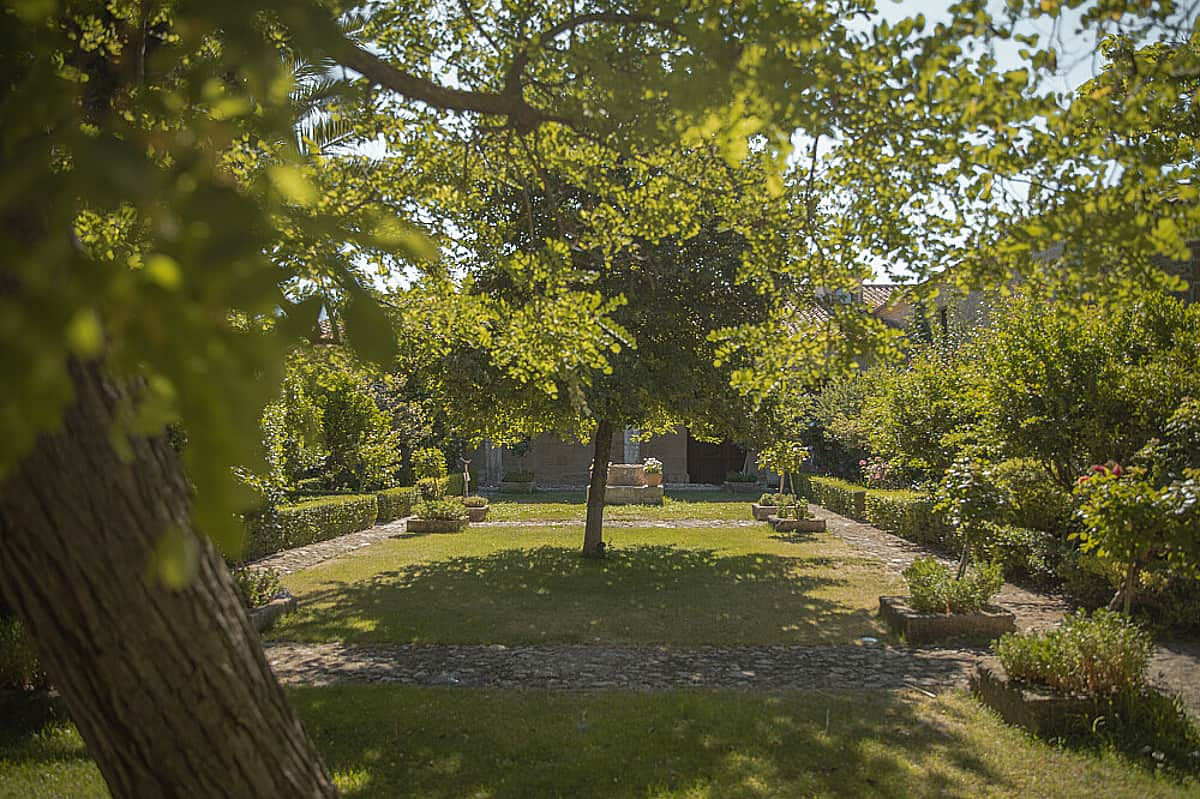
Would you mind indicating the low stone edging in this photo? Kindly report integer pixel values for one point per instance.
(1038, 710)
(796, 525)
(923, 628)
(264, 617)
(436, 525)
(742, 488)
(762, 512)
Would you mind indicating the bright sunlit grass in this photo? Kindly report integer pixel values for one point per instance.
(527, 584)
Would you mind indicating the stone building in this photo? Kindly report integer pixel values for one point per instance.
(555, 462)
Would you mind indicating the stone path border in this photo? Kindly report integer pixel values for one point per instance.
(765, 668)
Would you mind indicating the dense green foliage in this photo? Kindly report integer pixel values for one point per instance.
(327, 426)
(19, 666)
(449, 509)
(256, 587)
(934, 589)
(1102, 654)
(395, 503)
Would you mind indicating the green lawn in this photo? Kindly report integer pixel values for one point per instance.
(569, 505)
(388, 741)
(527, 584)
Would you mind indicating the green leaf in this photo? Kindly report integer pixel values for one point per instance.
(369, 330)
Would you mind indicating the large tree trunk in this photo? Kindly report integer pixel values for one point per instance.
(593, 533)
(169, 688)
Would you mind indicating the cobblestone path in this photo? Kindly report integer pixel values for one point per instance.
(765, 668)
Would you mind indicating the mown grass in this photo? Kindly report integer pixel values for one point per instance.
(389, 741)
(569, 506)
(527, 584)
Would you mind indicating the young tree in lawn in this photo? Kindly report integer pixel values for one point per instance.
(148, 165)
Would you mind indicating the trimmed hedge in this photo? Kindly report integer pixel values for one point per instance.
(909, 515)
(396, 503)
(838, 496)
(308, 522)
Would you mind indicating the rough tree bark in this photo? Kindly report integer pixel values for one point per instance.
(593, 533)
(169, 688)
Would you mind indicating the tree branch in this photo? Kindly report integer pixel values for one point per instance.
(521, 115)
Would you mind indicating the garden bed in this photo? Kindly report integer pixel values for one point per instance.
(513, 487)
(923, 628)
(796, 525)
(1041, 711)
(436, 525)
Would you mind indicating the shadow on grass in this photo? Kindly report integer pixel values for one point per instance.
(442, 743)
(1151, 729)
(639, 594)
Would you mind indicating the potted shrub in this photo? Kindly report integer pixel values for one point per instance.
(517, 482)
(653, 469)
(1041, 680)
(439, 516)
(477, 508)
(792, 516)
(741, 482)
(941, 605)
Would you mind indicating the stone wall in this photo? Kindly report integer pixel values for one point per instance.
(557, 462)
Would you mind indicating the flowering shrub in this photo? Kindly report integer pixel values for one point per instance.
(934, 590)
(875, 472)
(1103, 654)
(475, 502)
(652, 466)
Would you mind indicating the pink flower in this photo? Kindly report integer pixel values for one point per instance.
(862, 463)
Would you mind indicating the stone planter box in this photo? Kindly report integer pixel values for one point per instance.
(761, 512)
(436, 525)
(632, 495)
(477, 514)
(796, 525)
(507, 487)
(1039, 710)
(743, 488)
(626, 474)
(264, 616)
(923, 628)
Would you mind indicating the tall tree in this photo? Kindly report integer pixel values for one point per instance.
(149, 166)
